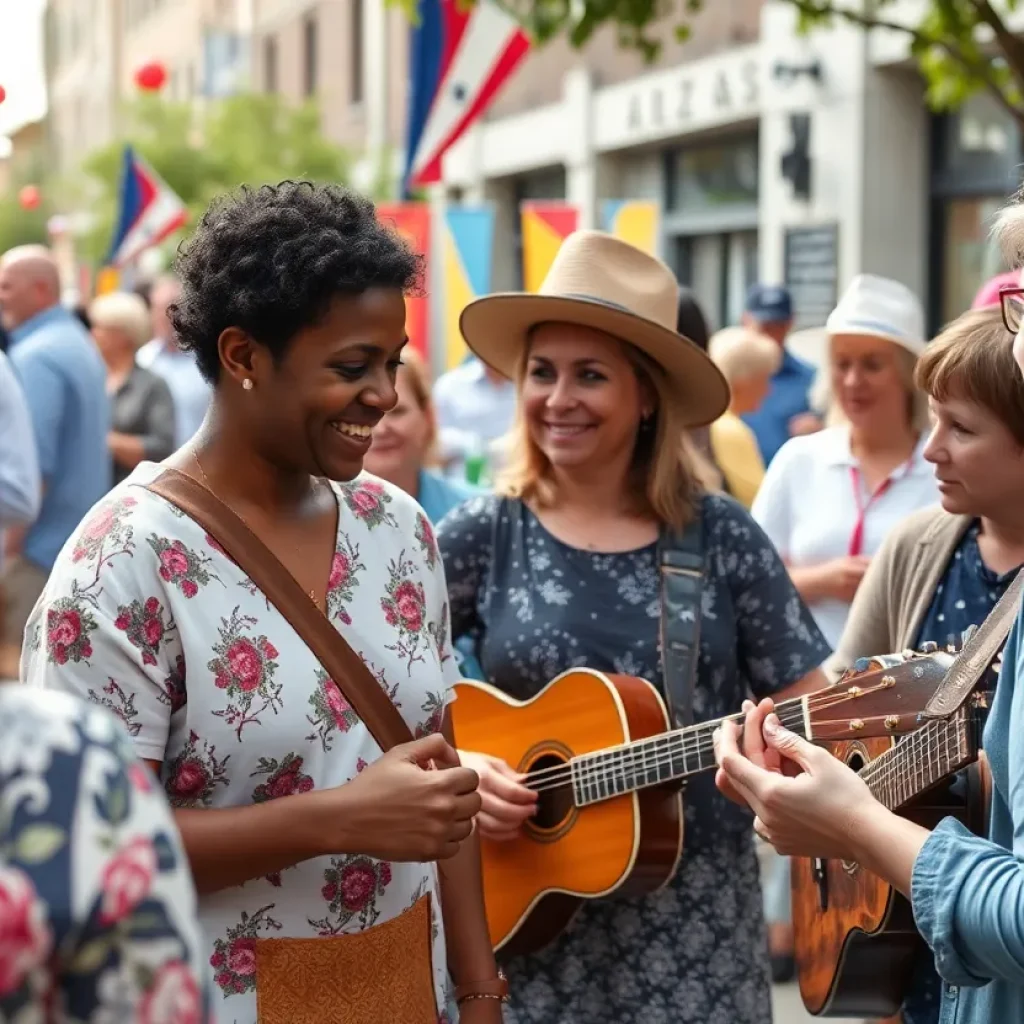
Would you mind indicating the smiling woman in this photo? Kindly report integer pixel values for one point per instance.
(297, 825)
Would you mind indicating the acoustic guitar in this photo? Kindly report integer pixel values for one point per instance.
(598, 750)
(854, 934)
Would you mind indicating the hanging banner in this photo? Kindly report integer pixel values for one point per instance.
(412, 222)
(545, 226)
(636, 221)
(468, 252)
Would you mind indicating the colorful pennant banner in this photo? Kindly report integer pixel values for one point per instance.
(545, 226)
(636, 221)
(412, 222)
(468, 258)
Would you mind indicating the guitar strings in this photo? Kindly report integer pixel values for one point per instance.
(815, 702)
(650, 753)
(669, 747)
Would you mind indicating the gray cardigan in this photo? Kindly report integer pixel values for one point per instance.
(898, 587)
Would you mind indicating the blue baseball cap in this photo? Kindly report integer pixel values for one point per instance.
(769, 303)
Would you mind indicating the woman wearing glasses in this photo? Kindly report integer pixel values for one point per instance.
(967, 891)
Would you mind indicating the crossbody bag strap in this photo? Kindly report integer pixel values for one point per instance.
(681, 565)
(348, 671)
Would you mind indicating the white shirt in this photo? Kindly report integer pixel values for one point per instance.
(472, 410)
(190, 392)
(808, 507)
(145, 614)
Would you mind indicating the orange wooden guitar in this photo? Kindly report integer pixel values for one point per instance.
(596, 749)
(854, 934)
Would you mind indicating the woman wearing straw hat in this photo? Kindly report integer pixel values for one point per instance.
(559, 568)
(828, 499)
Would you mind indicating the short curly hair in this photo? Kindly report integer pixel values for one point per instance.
(269, 260)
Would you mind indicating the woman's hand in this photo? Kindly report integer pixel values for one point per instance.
(480, 1011)
(825, 810)
(416, 803)
(842, 576)
(505, 802)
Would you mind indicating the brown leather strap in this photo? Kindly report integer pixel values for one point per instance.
(976, 655)
(357, 684)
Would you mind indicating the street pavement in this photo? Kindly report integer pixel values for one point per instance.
(788, 1009)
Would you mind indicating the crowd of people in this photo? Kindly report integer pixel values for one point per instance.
(504, 523)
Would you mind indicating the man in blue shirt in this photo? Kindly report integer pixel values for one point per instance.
(64, 381)
(786, 410)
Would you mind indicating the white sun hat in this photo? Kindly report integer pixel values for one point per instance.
(879, 307)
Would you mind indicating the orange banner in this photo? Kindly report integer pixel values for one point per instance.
(412, 222)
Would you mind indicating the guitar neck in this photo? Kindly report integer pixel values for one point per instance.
(922, 759)
(668, 757)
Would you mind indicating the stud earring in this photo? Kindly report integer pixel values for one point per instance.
(247, 384)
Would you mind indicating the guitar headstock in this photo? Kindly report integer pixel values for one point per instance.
(879, 696)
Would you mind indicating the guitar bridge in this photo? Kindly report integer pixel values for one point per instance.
(819, 872)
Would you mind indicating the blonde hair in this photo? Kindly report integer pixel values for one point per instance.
(917, 401)
(124, 312)
(666, 477)
(742, 353)
(972, 359)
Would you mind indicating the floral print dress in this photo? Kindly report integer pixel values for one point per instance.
(695, 952)
(146, 615)
(97, 907)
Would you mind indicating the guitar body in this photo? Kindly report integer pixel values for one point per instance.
(534, 885)
(854, 934)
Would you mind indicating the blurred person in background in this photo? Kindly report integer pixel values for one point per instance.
(475, 405)
(989, 294)
(829, 499)
(692, 324)
(403, 452)
(786, 410)
(403, 444)
(142, 410)
(748, 361)
(164, 357)
(64, 382)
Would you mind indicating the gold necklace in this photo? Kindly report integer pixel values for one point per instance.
(207, 485)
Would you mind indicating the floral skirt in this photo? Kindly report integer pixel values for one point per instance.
(693, 953)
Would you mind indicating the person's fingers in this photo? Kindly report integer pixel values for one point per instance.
(508, 789)
(431, 748)
(508, 815)
(747, 778)
(754, 745)
(491, 828)
(506, 769)
(792, 747)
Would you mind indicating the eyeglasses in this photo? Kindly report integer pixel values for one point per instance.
(1012, 301)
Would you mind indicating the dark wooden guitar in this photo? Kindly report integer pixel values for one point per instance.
(598, 751)
(854, 935)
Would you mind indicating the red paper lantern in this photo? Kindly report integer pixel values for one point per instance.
(151, 77)
(3, 94)
(29, 197)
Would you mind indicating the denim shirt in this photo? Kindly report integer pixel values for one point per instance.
(788, 397)
(968, 892)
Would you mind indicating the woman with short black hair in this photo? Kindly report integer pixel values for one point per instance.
(295, 823)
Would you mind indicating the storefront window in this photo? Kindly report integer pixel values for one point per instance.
(709, 177)
(968, 253)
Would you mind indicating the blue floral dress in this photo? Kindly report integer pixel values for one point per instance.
(534, 607)
(97, 908)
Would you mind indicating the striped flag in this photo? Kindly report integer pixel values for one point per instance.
(461, 56)
(148, 211)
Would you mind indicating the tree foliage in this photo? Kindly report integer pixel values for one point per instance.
(962, 47)
(250, 139)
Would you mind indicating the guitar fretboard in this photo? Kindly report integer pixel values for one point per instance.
(922, 760)
(659, 759)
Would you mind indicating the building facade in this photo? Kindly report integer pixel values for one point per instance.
(773, 156)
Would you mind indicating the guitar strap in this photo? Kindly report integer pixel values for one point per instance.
(976, 655)
(681, 565)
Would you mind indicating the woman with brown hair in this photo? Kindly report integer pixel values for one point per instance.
(561, 569)
(943, 569)
(402, 450)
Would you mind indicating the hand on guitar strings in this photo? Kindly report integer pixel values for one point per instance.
(807, 802)
(505, 802)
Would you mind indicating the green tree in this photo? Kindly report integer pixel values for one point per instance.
(19, 226)
(249, 139)
(962, 47)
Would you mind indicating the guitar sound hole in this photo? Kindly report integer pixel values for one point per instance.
(856, 761)
(554, 805)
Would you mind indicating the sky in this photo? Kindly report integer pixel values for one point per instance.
(21, 63)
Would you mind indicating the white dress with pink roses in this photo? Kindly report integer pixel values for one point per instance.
(144, 614)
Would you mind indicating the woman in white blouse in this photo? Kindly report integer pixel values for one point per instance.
(828, 499)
